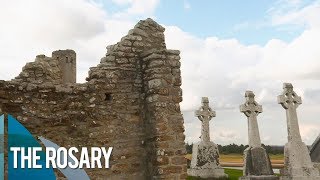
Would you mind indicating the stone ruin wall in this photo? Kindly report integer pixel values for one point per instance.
(129, 102)
(58, 69)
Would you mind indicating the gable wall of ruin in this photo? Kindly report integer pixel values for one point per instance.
(129, 102)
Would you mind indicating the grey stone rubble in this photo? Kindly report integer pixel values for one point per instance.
(58, 69)
(297, 164)
(257, 164)
(315, 152)
(205, 154)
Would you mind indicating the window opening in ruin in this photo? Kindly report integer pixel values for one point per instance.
(108, 97)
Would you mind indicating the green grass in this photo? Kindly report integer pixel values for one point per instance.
(233, 174)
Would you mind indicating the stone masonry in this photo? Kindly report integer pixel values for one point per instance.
(67, 63)
(58, 69)
(297, 162)
(129, 102)
(205, 154)
(257, 163)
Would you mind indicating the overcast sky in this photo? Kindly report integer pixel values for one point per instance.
(227, 47)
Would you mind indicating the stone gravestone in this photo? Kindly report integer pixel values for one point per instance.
(297, 164)
(315, 152)
(205, 154)
(256, 160)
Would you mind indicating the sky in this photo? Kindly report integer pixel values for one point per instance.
(227, 47)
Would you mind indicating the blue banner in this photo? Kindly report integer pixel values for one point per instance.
(1, 147)
(19, 136)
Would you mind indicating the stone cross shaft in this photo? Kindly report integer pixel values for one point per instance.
(251, 109)
(205, 114)
(290, 102)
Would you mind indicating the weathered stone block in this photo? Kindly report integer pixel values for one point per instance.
(155, 83)
(298, 164)
(261, 177)
(178, 160)
(314, 150)
(205, 161)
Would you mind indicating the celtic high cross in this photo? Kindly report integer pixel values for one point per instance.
(205, 114)
(290, 102)
(251, 109)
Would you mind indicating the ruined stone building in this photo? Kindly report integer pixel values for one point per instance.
(129, 102)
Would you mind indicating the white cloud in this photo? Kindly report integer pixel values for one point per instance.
(309, 132)
(54, 21)
(122, 2)
(289, 16)
(141, 8)
(40, 27)
(293, 14)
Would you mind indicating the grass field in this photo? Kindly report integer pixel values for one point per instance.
(275, 158)
(236, 160)
(233, 174)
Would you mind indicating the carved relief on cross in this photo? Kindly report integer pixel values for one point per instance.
(289, 99)
(251, 109)
(205, 114)
(290, 102)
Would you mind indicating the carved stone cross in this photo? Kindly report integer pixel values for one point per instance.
(290, 101)
(205, 114)
(251, 109)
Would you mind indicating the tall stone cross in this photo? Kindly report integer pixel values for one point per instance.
(205, 114)
(251, 109)
(290, 102)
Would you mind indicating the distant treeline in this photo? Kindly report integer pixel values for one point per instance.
(238, 149)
